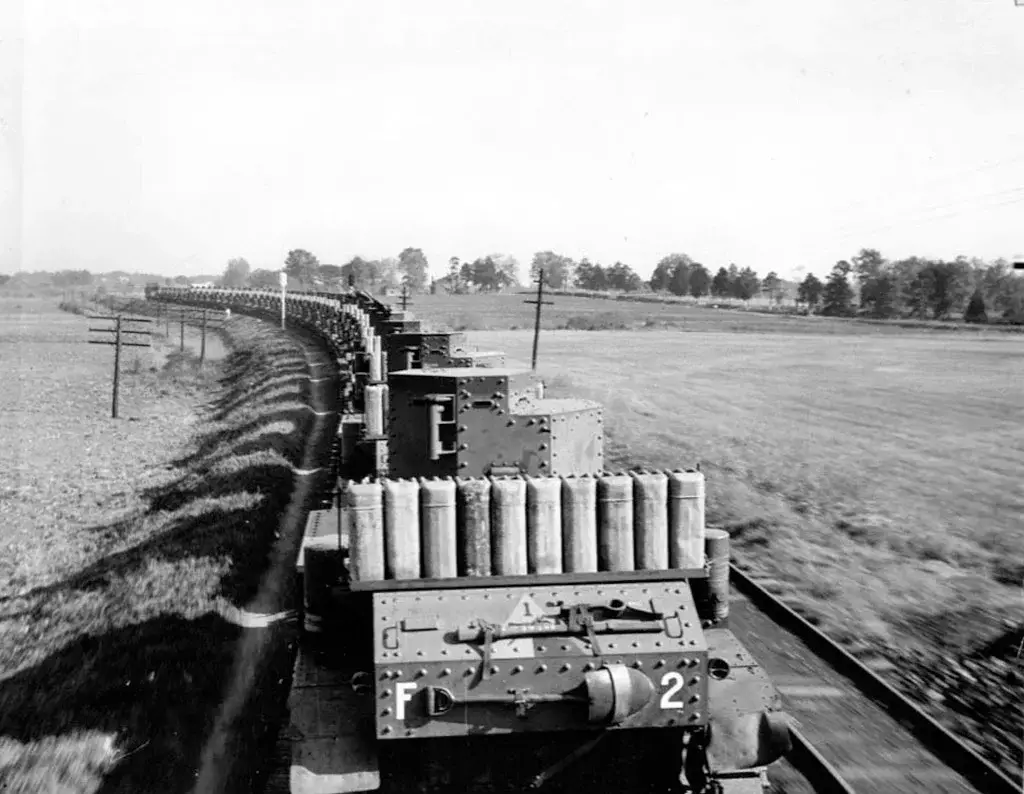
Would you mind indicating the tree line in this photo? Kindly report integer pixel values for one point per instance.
(868, 284)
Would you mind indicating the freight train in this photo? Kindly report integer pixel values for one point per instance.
(482, 600)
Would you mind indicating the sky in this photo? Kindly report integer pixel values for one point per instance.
(170, 137)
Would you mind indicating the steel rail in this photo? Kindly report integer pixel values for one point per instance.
(824, 777)
(977, 770)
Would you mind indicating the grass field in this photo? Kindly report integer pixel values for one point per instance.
(508, 310)
(125, 543)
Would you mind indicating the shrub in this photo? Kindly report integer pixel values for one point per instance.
(976, 310)
(600, 321)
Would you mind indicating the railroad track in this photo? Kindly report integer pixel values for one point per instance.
(854, 733)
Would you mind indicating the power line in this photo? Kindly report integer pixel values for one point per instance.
(921, 221)
(938, 207)
(958, 174)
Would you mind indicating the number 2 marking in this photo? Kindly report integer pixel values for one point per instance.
(676, 681)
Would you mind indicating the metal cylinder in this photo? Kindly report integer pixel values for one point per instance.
(579, 524)
(650, 520)
(686, 519)
(474, 527)
(544, 524)
(437, 522)
(508, 526)
(376, 358)
(717, 550)
(402, 529)
(365, 508)
(615, 523)
(321, 570)
(374, 397)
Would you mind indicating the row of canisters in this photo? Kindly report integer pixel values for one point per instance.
(443, 528)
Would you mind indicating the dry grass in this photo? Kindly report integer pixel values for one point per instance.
(508, 311)
(124, 542)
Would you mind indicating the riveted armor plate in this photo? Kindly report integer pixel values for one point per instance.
(529, 659)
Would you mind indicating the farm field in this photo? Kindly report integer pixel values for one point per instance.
(125, 542)
(486, 311)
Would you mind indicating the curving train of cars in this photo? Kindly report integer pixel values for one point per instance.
(477, 586)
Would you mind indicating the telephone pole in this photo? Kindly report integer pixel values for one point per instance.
(536, 323)
(118, 331)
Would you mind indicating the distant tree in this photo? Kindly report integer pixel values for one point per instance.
(412, 264)
(302, 266)
(386, 275)
(454, 284)
(558, 269)
(182, 281)
(662, 275)
(884, 296)
(734, 281)
(622, 277)
(809, 291)
(747, 284)
(265, 279)
(838, 295)
(700, 281)
(4, 278)
(361, 271)
(488, 276)
(975, 312)
(950, 287)
(672, 273)
(721, 284)
(467, 280)
(869, 267)
(771, 286)
(236, 274)
(508, 268)
(591, 276)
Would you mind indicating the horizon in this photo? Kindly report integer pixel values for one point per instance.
(168, 140)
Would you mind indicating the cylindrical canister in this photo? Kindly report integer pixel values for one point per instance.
(579, 524)
(402, 529)
(717, 549)
(376, 358)
(508, 526)
(544, 524)
(650, 520)
(321, 570)
(365, 507)
(437, 528)
(615, 523)
(474, 527)
(374, 396)
(686, 519)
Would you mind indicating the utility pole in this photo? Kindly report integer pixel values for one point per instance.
(284, 286)
(118, 330)
(202, 340)
(536, 323)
